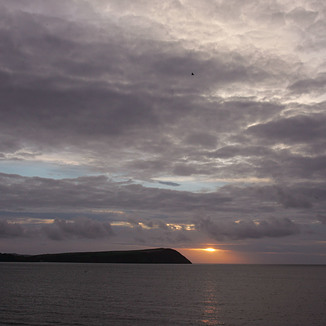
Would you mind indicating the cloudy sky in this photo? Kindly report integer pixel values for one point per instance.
(180, 123)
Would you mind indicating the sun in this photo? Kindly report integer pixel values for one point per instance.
(210, 249)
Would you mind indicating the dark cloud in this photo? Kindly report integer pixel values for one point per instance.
(69, 101)
(248, 229)
(202, 139)
(60, 229)
(297, 129)
(105, 89)
(8, 229)
(317, 84)
(23, 193)
(302, 17)
(304, 196)
(168, 183)
(247, 151)
(78, 228)
(97, 195)
(322, 219)
(185, 170)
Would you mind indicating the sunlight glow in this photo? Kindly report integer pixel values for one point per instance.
(31, 220)
(209, 249)
(211, 255)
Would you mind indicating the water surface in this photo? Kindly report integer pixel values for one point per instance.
(132, 294)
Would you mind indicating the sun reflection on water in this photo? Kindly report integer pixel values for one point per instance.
(211, 305)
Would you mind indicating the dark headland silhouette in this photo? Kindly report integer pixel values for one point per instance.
(146, 256)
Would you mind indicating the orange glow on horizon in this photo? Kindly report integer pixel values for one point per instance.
(210, 249)
(212, 255)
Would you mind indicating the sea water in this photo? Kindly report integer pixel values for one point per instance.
(132, 294)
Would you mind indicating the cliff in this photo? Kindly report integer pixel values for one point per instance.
(147, 256)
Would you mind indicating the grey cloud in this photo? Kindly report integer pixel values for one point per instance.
(9, 144)
(8, 230)
(322, 218)
(297, 129)
(284, 165)
(221, 70)
(248, 229)
(57, 101)
(292, 200)
(202, 139)
(108, 86)
(308, 166)
(317, 84)
(231, 151)
(60, 229)
(314, 37)
(156, 207)
(298, 196)
(149, 165)
(78, 228)
(97, 192)
(120, 93)
(185, 170)
(168, 183)
(162, 225)
(64, 113)
(301, 16)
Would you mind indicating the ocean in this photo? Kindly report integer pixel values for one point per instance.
(135, 294)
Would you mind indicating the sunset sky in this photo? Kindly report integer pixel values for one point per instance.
(186, 124)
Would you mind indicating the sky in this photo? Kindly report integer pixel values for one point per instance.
(183, 124)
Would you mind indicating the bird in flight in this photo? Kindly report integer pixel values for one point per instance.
(192, 74)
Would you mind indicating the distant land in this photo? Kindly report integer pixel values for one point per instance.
(146, 256)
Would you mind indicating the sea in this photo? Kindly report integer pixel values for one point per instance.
(158, 294)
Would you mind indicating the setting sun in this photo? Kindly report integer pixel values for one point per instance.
(209, 249)
(210, 255)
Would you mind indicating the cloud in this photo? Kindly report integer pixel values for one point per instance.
(303, 86)
(169, 183)
(322, 219)
(297, 129)
(98, 192)
(8, 229)
(247, 151)
(104, 91)
(248, 229)
(59, 229)
(202, 139)
(80, 228)
(301, 16)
